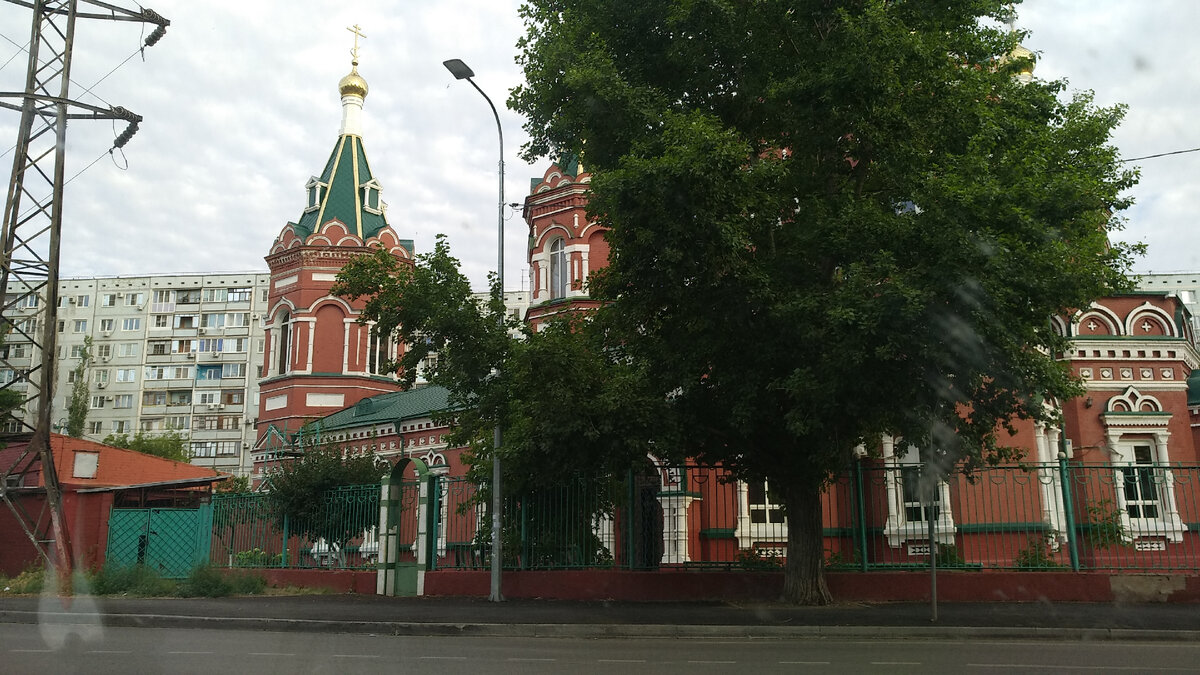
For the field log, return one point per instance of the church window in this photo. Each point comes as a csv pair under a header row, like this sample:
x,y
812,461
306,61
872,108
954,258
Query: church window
x,y
285,335
558,269
912,501
370,197
379,353
1141,484
316,192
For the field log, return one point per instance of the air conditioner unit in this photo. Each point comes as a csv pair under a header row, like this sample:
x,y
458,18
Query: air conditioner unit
x,y
71,300
191,355
202,331
120,294
212,406
245,446
106,359
215,354
220,406
108,398
254,316
101,385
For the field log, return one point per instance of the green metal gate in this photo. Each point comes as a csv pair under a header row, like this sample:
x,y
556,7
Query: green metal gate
x,y
171,541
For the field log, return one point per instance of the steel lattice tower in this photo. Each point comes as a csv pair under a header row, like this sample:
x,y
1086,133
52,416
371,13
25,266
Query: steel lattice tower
x,y
30,250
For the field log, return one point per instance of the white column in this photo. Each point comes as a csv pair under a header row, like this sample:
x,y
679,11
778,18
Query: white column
x,y
675,529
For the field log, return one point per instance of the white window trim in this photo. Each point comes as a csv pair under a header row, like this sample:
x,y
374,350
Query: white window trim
x,y
898,529
748,533
1121,441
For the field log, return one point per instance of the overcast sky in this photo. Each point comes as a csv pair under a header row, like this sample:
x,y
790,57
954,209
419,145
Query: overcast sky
x,y
241,107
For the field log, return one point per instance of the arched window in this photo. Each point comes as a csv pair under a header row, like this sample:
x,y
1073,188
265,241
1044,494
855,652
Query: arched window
x,y
558,269
285,339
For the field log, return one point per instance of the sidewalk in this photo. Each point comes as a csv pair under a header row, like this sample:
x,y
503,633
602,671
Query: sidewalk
x,y
550,618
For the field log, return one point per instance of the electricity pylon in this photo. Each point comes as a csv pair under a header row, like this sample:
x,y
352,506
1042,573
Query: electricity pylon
x,y
29,256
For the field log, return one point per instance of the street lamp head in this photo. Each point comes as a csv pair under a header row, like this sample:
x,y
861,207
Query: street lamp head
x,y
458,69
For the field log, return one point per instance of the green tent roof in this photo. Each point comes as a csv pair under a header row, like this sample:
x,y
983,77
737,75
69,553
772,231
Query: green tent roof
x,y
393,407
342,188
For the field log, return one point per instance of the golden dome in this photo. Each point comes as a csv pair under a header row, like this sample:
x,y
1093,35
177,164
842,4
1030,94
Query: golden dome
x,y
353,84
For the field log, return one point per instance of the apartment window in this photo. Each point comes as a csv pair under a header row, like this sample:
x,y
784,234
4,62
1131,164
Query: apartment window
x,y
82,300
104,351
239,295
233,370
95,428
177,421
154,398
122,427
264,294
126,374
72,376
16,351
62,325
131,324
97,402
29,301
237,319
208,372
204,422
154,424
215,448
128,349
7,375
162,320
108,300
182,373
182,346
229,422
161,348
190,296
232,397
102,376
215,295
123,401
185,321
211,345
207,397
133,299
80,325
179,398
212,320
77,351
236,345
156,373
106,325
259,345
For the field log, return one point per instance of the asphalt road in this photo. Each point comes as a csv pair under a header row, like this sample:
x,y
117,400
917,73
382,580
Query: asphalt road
x,y
27,648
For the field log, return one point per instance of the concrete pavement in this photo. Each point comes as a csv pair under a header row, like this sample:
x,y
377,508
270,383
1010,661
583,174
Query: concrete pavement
x,y
547,618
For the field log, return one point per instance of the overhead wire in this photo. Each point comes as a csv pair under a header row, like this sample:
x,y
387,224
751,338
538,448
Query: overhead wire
x,y
1161,154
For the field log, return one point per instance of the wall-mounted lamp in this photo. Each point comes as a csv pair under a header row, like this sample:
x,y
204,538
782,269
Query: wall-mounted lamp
x,y
1087,402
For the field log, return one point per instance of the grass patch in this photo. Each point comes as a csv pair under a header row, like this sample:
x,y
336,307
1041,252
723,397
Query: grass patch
x,y
29,582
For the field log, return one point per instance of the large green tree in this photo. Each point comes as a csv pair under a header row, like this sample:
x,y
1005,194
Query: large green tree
x,y
830,220
169,444
79,400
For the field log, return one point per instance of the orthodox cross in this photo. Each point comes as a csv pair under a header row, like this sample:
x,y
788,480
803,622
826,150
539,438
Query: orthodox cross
x,y
357,34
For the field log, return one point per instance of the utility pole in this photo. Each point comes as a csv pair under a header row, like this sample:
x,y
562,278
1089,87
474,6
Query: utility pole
x,y
29,251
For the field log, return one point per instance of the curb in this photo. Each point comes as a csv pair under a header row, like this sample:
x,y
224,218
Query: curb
x,y
599,631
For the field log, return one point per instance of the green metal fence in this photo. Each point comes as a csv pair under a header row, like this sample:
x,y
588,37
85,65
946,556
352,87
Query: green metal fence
x,y
340,533
1061,515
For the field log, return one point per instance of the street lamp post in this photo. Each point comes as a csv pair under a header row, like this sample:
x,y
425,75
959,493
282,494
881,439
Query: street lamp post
x,y
462,71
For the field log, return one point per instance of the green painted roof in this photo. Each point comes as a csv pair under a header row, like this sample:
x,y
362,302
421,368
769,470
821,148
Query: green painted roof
x,y
394,407
346,172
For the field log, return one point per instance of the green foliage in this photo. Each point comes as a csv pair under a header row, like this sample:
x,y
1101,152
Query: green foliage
x,y
169,444
137,580
759,559
1037,555
863,192
300,488
948,555
256,557
79,400
205,582
28,582
1105,529
234,485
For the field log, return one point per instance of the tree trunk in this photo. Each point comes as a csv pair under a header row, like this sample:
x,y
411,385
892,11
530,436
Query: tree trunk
x,y
804,573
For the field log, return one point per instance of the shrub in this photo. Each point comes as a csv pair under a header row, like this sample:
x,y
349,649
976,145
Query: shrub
x,y
247,584
1106,529
948,556
26,583
759,559
256,557
1036,555
205,582
136,580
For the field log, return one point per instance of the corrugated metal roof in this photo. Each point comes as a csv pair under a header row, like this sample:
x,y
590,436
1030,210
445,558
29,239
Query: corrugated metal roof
x,y
389,408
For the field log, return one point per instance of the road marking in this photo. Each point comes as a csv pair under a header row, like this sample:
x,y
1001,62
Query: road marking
x,y
188,653
718,663
444,658
804,663
530,659
109,651
355,656
31,651
272,654
620,660
895,663
1028,666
